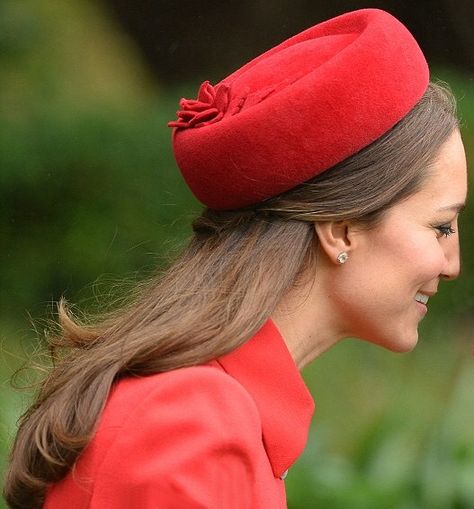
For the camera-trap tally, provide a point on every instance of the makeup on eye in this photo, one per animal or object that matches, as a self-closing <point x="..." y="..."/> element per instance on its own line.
<point x="445" y="230"/>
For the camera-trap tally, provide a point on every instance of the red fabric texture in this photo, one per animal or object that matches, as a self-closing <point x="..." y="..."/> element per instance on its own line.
<point x="298" y="109"/>
<point x="205" y="437"/>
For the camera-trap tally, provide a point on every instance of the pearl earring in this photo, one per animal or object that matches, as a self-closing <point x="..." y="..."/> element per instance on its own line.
<point x="342" y="257"/>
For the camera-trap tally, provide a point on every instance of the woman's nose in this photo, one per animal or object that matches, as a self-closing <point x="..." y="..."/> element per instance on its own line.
<point x="452" y="266"/>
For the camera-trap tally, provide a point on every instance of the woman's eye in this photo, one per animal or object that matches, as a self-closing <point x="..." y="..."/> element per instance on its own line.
<point x="445" y="229"/>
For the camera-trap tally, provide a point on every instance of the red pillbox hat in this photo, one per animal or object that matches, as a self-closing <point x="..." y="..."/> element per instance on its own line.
<point x="298" y="109"/>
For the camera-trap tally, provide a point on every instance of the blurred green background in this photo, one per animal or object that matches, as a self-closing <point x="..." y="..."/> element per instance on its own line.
<point x="91" y="201"/>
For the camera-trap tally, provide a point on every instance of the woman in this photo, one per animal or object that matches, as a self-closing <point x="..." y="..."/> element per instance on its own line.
<point x="333" y="173"/>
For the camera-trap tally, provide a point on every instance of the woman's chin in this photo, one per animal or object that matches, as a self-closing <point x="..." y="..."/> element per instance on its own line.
<point x="402" y="343"/>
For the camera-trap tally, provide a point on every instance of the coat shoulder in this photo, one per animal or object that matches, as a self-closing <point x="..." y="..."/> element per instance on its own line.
<point x="207" y="389"/>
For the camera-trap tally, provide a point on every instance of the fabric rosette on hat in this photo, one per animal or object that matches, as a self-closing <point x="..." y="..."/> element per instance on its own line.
<point x="298" y="109"/>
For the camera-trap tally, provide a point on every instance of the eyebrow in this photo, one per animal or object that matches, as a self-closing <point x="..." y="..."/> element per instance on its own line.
<point x="457" y="207"/>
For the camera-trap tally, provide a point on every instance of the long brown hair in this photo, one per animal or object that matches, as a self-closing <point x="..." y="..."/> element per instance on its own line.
<point x="215" y="296"/>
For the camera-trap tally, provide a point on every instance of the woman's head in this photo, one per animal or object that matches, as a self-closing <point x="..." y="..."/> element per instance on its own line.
<point x="338" y="124"/>
<point x="385" y="200"/>
<point x="380" y="293"/>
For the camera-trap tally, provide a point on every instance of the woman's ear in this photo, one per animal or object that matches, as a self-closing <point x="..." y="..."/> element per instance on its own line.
<point x="335" y="240"/>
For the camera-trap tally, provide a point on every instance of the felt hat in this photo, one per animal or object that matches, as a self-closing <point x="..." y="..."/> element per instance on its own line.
<point x="298" y="109"/>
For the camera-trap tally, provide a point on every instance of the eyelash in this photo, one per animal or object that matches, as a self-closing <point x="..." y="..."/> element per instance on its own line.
<point x="446" y="229"/>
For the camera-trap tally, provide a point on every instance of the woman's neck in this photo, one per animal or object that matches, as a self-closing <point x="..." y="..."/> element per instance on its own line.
<point x="307" y="323"/>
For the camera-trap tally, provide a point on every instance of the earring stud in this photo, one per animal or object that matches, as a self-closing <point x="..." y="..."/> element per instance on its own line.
<point x="342" y="257"/>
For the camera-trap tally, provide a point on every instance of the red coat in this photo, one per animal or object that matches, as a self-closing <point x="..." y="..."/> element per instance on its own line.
<point x="216" y="436"/>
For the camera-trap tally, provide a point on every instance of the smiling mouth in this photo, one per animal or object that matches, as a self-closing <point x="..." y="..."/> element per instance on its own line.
<point x="422" y="298"/>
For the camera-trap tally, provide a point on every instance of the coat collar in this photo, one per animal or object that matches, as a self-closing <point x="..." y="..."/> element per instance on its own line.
<point x="264" y="366"/>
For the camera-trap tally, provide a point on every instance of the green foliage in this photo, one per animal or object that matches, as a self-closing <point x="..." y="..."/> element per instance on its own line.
<point x="382" y="440"/>
<point x="84" y="193"/>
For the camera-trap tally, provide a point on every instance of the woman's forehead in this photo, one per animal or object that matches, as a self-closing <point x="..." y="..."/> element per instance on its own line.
<point x="448" y="178"/>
